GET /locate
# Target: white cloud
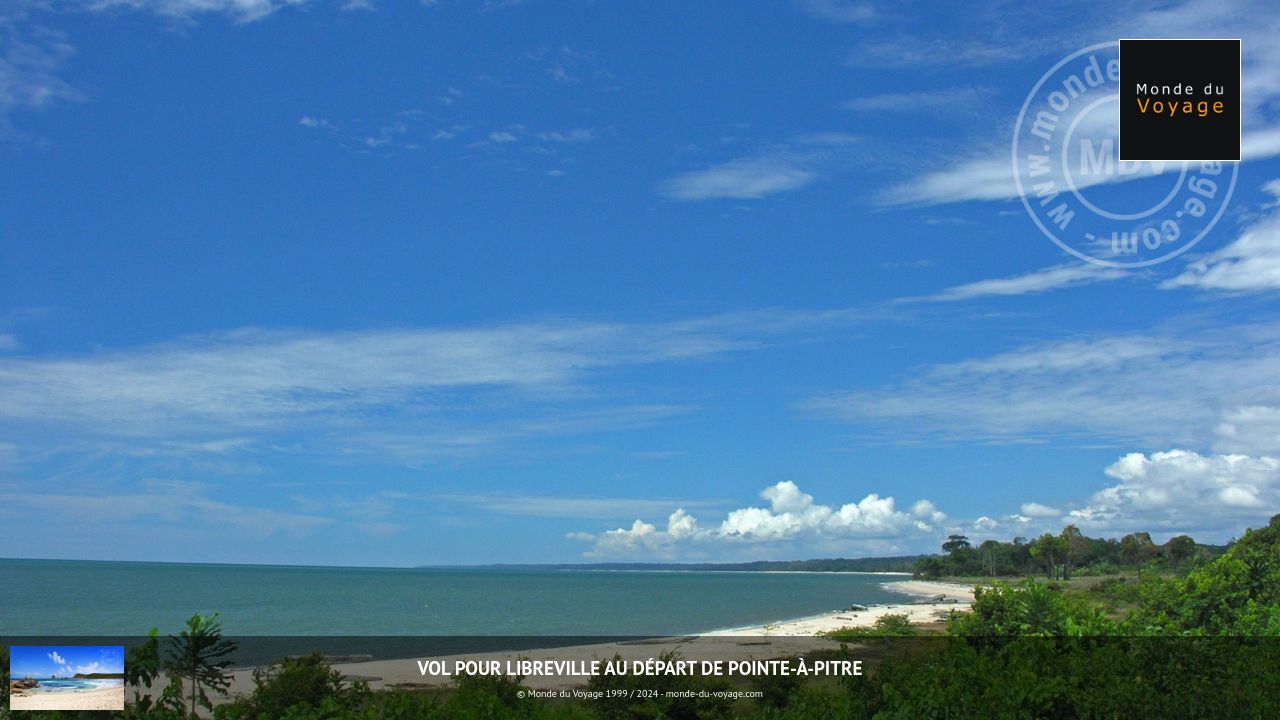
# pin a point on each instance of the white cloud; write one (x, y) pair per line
(502, 136)
(778, 169)
(1200, 386)
(950, 99)
(576, 135)
(1249, 263)
(174, 504)
(566, 66)
(30, 59)
(239, 10)
(952, 52)
(56, 658)
(988, 175)
(417, 394)
(1036, 510)
(791, 514)
(561, 506)
(319, 123)
(744, 178)
(984, 524)
(1050, 278)
(1184, 491)
(838, 11)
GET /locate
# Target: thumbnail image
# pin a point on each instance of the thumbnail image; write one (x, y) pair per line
(66, 677)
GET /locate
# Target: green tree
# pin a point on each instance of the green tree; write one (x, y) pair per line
(1048, 549)
(198, 655)
(956, 544)
(296, 683)
(988, 551)
(1136, 548)
(1180, 548)
(1074, 545)
(929, 567)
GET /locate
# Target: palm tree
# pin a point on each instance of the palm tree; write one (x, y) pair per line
(197, 654)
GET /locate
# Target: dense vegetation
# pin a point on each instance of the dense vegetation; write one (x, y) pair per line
(1202, 643)
(1060, 556)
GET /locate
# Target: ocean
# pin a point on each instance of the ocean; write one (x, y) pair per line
(48, 685)
(55, 597)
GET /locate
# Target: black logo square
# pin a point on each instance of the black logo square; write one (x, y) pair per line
(1179, 100)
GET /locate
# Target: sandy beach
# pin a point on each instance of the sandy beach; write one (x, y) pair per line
(953, 596)
(772, 640)
(935, 601)
(111, 698)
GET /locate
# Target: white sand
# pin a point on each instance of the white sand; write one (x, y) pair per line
(925, 588)
(111, 698)
(957, 597)
(761, 642)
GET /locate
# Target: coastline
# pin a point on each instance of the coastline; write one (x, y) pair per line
(771, 640)
(108, 698)
(953, 597)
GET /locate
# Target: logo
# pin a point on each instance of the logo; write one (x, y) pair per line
(1180, 99)
(1107, 211)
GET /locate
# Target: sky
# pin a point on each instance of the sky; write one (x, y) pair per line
(64, 660)
(409, 283)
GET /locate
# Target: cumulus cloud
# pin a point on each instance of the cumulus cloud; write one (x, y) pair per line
(791, 514)
(1184, 491)
(984, 524)
(54, 656)
(1036, 510)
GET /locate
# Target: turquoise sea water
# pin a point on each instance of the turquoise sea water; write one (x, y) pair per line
(43, 597)
(61, 686)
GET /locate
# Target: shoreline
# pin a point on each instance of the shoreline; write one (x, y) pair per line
(954, 596)
(771, 640)
(108, 698)
(767, 641)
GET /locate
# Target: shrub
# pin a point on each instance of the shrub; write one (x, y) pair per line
(890, 625)
(303, 682)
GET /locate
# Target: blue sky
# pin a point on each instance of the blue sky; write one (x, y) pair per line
(377, 283)
(41, 661)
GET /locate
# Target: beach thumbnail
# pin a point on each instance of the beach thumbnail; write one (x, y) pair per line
(66, 677)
